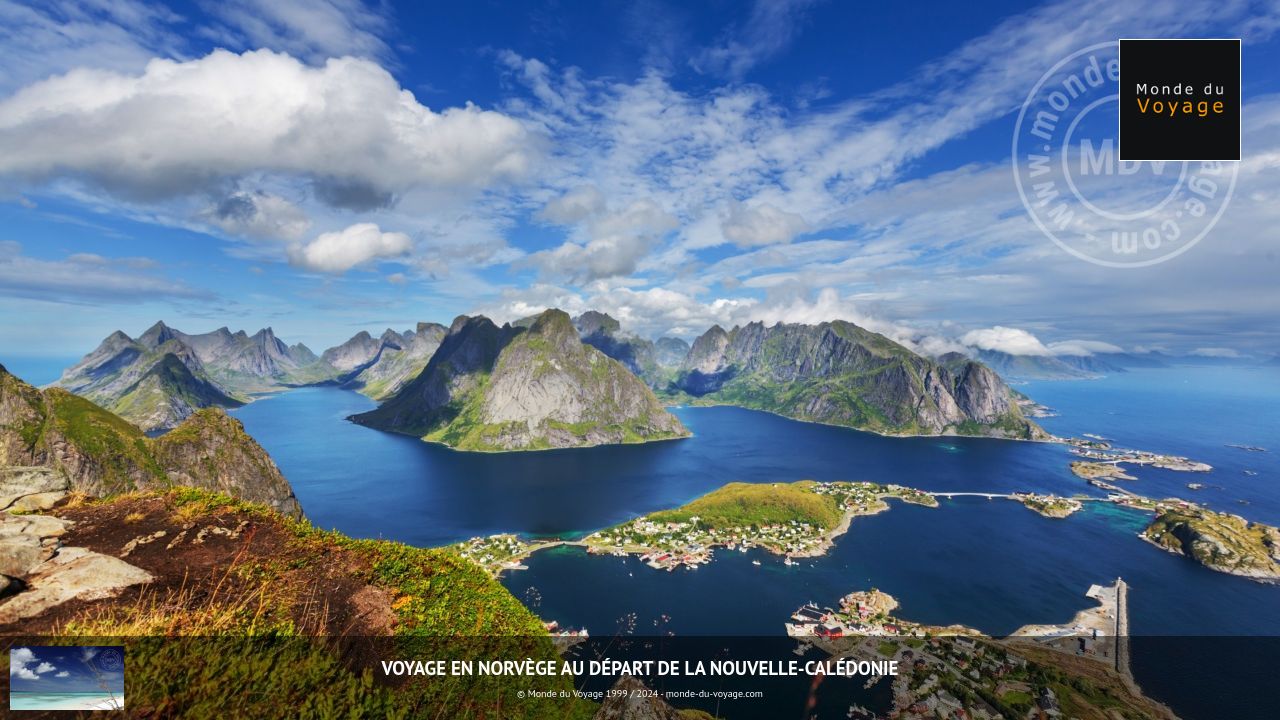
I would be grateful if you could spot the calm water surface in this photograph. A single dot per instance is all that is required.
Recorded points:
(992, 565)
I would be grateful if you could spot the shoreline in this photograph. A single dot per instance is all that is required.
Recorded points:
(1051, 440)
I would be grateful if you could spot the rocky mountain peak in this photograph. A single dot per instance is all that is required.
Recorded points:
(592, 322)
(554, 324)
(707, 353)
(157, 335)
(392, 338)
(523, 388)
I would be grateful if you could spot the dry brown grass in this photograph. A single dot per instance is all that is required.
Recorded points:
(264, 605)
(134, 517)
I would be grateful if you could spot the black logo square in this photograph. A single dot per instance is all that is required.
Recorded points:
(1180, 100)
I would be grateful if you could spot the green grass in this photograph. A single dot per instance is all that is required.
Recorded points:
(238, 654)
(119, 447)
(755, 504)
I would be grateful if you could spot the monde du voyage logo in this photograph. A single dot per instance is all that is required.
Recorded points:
(1128, 165)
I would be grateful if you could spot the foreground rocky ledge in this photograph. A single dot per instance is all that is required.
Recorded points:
(249, 589)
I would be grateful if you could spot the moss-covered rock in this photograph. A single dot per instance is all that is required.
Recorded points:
(1219, 541)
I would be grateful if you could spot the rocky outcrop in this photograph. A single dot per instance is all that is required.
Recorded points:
(839, 373)
(516, 388)
(53, 442)
(40, 573)
(71, 574)
(211, 450)
(26, 489)
(634, 701)
(1219, 541)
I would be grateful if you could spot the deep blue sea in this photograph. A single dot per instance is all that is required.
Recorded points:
(993, 565)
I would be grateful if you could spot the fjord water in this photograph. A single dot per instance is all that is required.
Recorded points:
(993, 565)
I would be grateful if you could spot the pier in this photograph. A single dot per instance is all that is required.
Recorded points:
(1122, 630)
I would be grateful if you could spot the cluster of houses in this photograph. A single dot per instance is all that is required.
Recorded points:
(938, 668)
(669, 545)
(495, 553)
(1139, 457)
(867, 496)
(863, 614)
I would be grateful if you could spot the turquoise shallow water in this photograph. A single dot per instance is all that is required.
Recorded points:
(63, 701)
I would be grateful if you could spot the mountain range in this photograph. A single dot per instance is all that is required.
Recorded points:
(652, 361)
(165, 375)
(525, 386)
(549, 381)
(379, 368)
(842, 374)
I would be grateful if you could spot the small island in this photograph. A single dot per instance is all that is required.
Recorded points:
(799, 519)
(1095, 471)
(1050, 506)
(1219, 541)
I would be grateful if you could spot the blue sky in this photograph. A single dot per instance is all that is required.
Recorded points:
(330, 166)
(66, 669)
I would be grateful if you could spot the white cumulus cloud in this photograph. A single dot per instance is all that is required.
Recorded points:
(1005, 339)
(185, 127)
(19, 659)
(342, 250)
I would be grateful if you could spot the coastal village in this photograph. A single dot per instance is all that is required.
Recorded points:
(958, 672)
(802, 520)
(690, 543)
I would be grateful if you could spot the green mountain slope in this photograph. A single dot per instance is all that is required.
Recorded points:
(841, 374)
(99, 453)
(516, 388)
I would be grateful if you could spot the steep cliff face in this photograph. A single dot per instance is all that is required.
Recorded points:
(379, 368)
(211, 450)
(637, 354)
(839, 373)
(512, 388)
(98, 453)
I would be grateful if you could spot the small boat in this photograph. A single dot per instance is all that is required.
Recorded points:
(755, 562)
